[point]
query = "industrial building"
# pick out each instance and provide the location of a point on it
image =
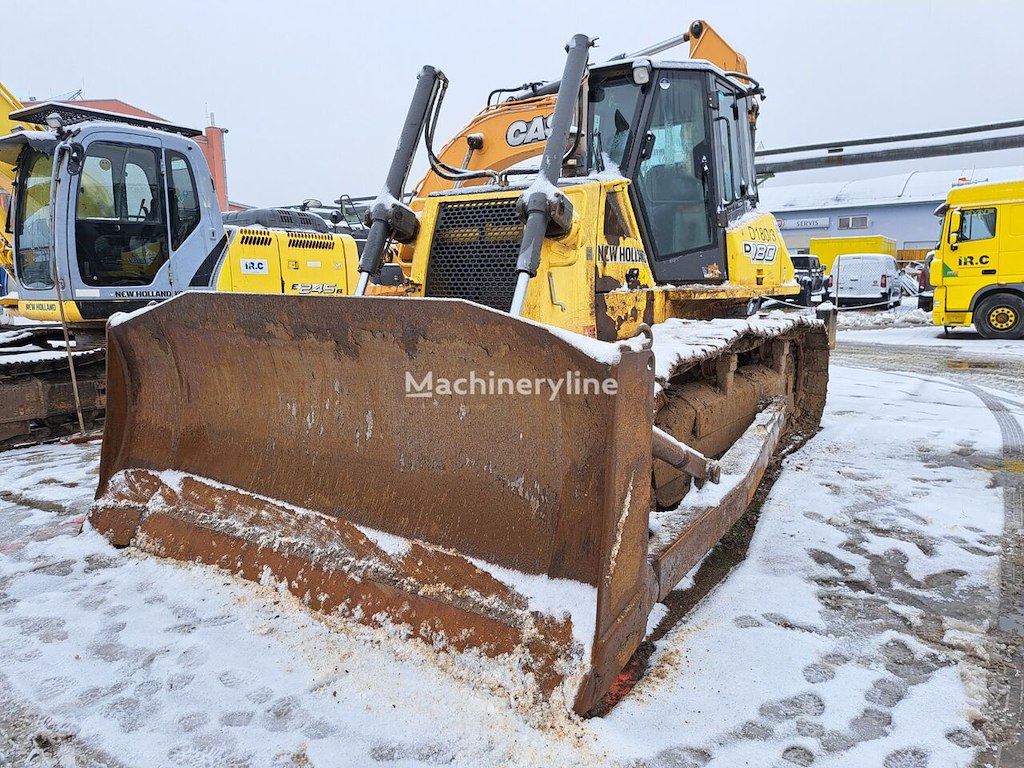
(900, 206)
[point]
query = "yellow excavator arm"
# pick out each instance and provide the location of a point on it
(497, 138)
(706, 44)
(8, 104)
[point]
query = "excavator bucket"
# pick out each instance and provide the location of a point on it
(473, 479)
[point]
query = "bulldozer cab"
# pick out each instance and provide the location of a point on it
(681, 133)
(104, 208)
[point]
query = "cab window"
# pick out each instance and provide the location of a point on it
(978, 224)
(120, 227)
(183, 198)
(613, 107)
(32, 232)
(673, 180)
(733, 144)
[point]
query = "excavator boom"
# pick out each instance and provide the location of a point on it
(8, 103)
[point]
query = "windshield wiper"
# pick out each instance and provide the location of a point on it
(598, 151)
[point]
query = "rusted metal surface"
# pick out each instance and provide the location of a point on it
(791, 372)
(333, 566)
(683, 457)
(293, 439)
(619, 313)
(830, 317)
(688, 533)
(709, 405)
(710, 412)
(307, 404)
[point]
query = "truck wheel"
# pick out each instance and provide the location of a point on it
(1000, 317)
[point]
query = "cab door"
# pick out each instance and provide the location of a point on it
(976, 255)
(674, 184)
(196, 232)
(118, 246)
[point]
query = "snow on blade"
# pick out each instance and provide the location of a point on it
(554, 597)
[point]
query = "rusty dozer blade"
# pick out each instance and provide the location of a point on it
(369, 454)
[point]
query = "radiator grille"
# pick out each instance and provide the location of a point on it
(474, 251)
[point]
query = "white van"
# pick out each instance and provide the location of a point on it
(865, 278)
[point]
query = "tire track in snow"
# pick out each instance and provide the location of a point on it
(1006, 374)
(1011, 566)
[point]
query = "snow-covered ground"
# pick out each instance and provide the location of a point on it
(959, 339)
(853, 634)
(7, 320)
(907, 314)
(907, 325)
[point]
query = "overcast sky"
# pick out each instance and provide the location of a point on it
(313, 93)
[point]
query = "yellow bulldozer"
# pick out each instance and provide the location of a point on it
(564, 410)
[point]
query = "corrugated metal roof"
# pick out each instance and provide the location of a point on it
(899, 189)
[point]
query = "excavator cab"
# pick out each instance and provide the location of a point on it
(133, 197)
(681, 133)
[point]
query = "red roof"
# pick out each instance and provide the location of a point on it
(115, 105)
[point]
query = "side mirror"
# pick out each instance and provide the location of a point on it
(76, 156)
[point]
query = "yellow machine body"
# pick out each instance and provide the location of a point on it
(597, 280)
(419, 461)
(256, 261)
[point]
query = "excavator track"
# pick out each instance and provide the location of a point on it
(37, 402)
(522, 528)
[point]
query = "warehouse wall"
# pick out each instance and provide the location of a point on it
(913, 226)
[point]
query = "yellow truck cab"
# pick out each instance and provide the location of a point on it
(978, 269)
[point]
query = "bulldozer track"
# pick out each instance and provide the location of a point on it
(804, 411)
(708, 393)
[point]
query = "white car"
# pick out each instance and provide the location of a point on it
(865, 279)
